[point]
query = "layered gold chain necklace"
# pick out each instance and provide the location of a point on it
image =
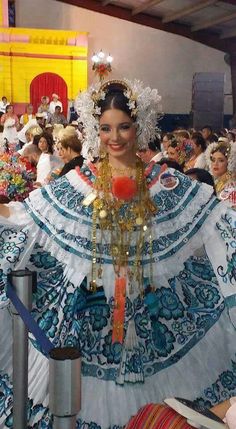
(221, 182)
(123, 208)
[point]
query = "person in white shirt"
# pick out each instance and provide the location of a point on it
(152, 153)
(47, 161)
(197, 159)
(28, 115)
(3, 104)
(30, 133)
(55, 102)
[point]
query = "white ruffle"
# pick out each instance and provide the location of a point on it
(108, 404)
(80, 227)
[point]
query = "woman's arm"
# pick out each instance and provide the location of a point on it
(221, 409)
(4, 210)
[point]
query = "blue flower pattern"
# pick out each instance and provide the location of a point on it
(168, 323)
(223, 388)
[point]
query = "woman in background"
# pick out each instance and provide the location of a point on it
(69, 150)
(47, 160)
(221, 159)
(197, 158)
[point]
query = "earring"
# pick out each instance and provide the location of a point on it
(102, 152)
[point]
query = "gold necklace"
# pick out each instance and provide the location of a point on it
(123, 171)
(121, 218)
(221, 182)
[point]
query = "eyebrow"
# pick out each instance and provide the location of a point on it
(121, 123)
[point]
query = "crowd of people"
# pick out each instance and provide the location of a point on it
(192, 150)
(135, 258)
(203, 155)
(34, 136)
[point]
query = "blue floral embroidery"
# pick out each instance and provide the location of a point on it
(204, 271)
(111, 351)
(167, 304)
(228, 380)
(163, 338)
(227, 229)
(43, 260)
(12, 243)
(230, 271)
(85, 425)
(223, 388)
(48, 322)
(99, 317)
(6, 399)
(207, 295)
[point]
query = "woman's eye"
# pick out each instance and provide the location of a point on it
(125, 126)
(105, 129)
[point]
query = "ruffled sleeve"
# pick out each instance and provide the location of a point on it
(191, 218)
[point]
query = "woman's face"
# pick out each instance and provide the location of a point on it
(165, 143)
(118, 134)
(173, 154)
(10, 109)
(197, 149)
(219, 164)
(43, 146)
(64, 153)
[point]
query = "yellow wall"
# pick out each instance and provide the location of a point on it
(21, 62)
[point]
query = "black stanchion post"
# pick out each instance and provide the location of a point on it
(22, 283)
(64, 386)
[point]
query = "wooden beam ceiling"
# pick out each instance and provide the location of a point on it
(145, 6)
(212, 22)
(188, 10)
(227, 34)
(205, 37)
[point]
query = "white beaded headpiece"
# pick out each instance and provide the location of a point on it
(230, 154)
(143, 103)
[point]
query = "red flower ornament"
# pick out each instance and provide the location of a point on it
(124, 188)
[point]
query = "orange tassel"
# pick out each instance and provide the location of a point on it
(119, 310)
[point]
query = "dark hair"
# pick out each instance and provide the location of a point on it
(202, 176)
(208, 127)
(36, 139)
(4, 97)
(169, 136)
(115, 99)
(8, 106)
(171, 164)
(223, 132)
(48, 139)
(213, 138)
(199, 140)
(155, 145)
(174, 143)
(223, 148)
(73, 142)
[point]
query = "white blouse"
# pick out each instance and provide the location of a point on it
(46, 164)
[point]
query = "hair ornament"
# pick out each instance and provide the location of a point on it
(143, 103)
(227, 149)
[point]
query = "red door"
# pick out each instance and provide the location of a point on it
(47, 84)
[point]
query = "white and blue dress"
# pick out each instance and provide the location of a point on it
(185, 339)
